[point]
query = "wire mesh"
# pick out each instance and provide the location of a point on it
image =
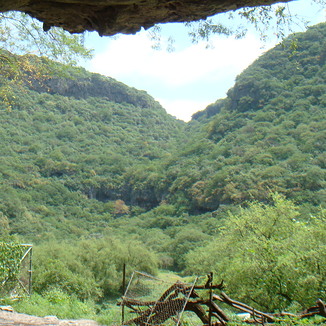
(22, 284)
(25, 276)
(152, 301)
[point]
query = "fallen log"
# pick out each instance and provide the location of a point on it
(198, 310)
(319, 309)
(243, 307)
(322, 308)
(218, 311)
(134, 302)
(181, 296)
(159, 313)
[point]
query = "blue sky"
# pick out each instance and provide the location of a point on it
(191, 77)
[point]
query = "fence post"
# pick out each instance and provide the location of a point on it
(210, 284)
(123, 292)
(30, 271)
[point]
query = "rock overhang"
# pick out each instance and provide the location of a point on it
(110, 17)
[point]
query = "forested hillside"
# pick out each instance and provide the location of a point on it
(97, 174)
(268, 134)
(68, 141)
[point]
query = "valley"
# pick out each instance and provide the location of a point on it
(96, 175)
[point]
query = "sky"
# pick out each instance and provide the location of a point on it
(192, 76)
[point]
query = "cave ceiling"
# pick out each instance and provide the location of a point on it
(109, 17)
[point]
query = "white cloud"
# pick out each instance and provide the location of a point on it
(190, 77)
(133, 56)
(191, 72)
(183, 109)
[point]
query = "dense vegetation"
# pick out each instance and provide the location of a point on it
(65, 156)
(267, 135)
(96, 175)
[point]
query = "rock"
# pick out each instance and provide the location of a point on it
(6, 308)
(51, 319)
(244, 316)
(109, 17)
(13, 318)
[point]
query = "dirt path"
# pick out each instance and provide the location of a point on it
(14, 318)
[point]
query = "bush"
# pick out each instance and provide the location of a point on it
(55, 302)
(268, 257)
(89, 269)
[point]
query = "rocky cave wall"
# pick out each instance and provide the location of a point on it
(110, 17)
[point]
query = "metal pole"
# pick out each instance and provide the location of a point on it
(184, 306)
(210, 283)
(123, 293)
(30, 271)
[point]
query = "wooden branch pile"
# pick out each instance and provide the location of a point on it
(182, 297)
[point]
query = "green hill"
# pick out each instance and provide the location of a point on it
(268, 135)
(69, 139)
(74, 139)
(97, 174)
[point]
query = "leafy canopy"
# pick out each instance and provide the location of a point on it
(10, 256)
(275, 21)
(268, 255)
(21, 34)
(90, 160)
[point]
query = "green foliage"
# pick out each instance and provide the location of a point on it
(97, 175)
(56, 303)
(4, 225)
(110, 314)
(266, 136)
(276, 20)
(10, 256)
(72, 142)
(185, 240)
(268, 256)
(89, 269)
(19, 33)
(49, 177)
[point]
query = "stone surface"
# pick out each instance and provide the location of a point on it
(17, 319)
(110, 17)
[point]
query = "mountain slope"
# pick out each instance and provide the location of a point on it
(80, 150)
(268, 134)
(299, 61)
(69, 138)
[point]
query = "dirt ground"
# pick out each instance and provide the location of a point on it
(14, 318)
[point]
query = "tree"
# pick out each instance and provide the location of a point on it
(10, 256)
(89, 269)
(267, 256)
(268, 21)
(186, 239)
(21, 34)
(4, 225)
